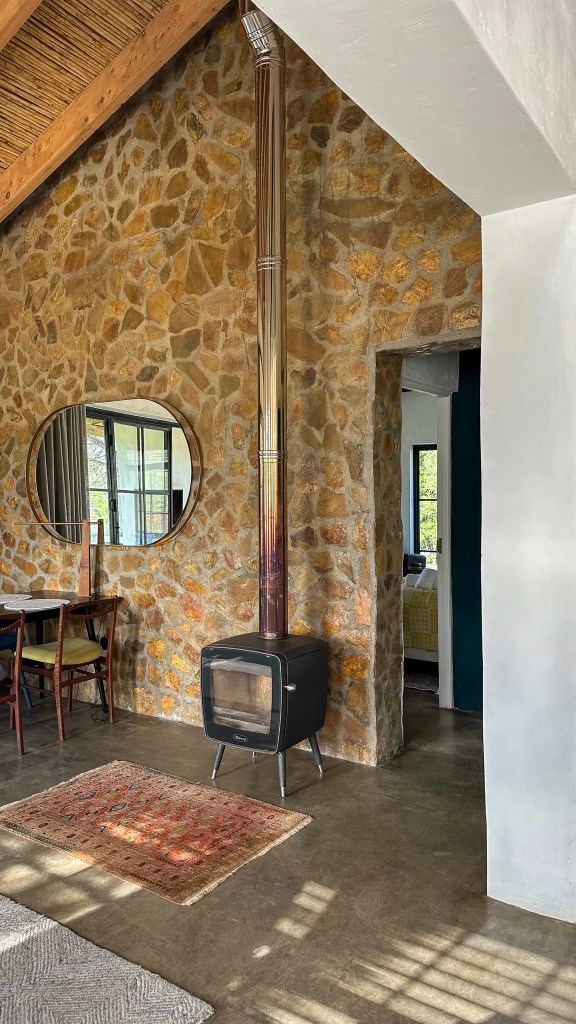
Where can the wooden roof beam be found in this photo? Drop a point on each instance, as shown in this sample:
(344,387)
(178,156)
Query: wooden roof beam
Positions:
(12,16)
(177,23)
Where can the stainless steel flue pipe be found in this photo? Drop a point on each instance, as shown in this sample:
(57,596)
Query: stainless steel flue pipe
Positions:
(270,68)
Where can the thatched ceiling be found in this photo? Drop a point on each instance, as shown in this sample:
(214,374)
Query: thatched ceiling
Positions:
(67,65)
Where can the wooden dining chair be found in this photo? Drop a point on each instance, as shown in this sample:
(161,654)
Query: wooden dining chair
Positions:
(8,642)
(15,630)
(71,660)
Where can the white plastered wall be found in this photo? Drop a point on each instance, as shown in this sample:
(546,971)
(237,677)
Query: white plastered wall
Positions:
(539,65)
(528,415)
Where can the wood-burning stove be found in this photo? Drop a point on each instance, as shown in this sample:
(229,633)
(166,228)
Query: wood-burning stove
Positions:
(264,695)
(267,691)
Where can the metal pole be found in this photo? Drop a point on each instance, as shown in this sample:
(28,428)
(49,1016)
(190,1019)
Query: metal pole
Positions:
(270,68)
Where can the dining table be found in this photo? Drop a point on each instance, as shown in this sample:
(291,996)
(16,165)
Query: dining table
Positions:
(37,618)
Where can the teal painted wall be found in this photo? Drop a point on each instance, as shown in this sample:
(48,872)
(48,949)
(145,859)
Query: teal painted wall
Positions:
(466,536)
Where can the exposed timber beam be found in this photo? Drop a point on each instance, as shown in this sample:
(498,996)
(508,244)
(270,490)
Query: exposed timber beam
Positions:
(177,23)
(12,16)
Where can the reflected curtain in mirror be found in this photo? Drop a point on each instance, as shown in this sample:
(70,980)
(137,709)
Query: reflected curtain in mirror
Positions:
(61,471)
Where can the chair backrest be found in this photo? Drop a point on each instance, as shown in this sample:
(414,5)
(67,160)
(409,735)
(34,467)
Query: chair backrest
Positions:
(101,612)
(15,626)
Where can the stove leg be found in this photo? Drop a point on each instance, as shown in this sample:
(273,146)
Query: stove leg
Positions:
(316,752)
(218,759)
(282,771)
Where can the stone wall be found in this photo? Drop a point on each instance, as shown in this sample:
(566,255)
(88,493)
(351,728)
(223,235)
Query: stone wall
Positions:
(132,274)
(388,546)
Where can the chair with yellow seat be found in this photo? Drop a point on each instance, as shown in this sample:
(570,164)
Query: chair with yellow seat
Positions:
(13,631)
(71,660)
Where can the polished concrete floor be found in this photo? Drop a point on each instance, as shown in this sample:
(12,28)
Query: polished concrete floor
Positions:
(373,913)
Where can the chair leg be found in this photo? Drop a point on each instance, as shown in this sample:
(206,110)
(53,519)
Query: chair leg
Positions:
(110,688)
(60,716)
(18,715)
(70,699)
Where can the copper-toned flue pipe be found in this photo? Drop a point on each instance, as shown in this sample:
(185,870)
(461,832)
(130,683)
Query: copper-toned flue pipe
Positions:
(270,66)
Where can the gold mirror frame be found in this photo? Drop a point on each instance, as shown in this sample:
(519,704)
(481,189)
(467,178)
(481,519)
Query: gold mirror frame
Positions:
(195,459)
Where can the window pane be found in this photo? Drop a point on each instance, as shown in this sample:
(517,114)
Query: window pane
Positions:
(428,525)
(428,473)
(155,460)
(181,464)
(129,518)
(96,452)
(127,457)
(157,520)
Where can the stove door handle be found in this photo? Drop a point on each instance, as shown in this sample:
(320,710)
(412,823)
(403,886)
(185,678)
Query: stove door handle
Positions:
(290,686)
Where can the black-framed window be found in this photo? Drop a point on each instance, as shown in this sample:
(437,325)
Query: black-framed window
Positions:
(129,476)
(425,500)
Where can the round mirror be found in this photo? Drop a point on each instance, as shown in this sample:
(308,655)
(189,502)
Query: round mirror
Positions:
(132,468)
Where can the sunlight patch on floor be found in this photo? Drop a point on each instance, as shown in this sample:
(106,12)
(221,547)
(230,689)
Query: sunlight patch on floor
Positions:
(261,951)
(308,904)
(68,887)
(285,1008)
(453,976)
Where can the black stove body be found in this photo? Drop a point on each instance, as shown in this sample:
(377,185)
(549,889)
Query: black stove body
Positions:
(264,695)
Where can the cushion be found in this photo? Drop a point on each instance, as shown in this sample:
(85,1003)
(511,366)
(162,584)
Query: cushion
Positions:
(428,580)
(8,641)
(411,580)
(76,651)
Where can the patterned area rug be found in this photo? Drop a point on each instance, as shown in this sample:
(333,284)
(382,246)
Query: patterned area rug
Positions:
(49,975)
(174,837)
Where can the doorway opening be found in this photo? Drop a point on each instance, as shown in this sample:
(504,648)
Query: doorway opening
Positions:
(441,527)
(421,540)
(458,490)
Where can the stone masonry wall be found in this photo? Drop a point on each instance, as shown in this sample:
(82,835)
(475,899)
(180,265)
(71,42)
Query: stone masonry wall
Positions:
(132,274)
(389,653)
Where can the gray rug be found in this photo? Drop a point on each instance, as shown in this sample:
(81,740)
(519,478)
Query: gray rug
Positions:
(48,975)
(421,681)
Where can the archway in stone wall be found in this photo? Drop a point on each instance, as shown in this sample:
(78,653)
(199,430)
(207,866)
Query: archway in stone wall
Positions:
(388,540)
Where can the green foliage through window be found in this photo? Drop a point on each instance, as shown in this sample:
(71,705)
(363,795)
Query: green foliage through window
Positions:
(425,491)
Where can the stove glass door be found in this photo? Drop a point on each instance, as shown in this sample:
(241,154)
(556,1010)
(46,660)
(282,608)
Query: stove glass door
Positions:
(242,699)
(242,695)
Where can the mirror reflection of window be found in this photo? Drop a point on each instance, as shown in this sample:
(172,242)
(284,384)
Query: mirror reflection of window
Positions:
(138,469)
(98,479)
(142,457)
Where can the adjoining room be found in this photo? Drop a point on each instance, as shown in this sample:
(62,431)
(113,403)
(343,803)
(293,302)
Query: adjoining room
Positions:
(441,525)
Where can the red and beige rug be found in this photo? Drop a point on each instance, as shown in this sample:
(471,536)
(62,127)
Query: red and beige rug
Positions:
(177,838)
